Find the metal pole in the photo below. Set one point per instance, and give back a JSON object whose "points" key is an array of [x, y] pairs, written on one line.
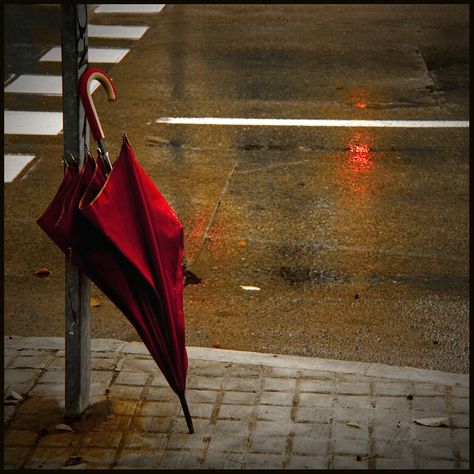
{"points": [[77, 285]]}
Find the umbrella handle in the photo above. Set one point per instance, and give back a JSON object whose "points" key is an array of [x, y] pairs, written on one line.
{"points": [[187, 415], [86, 98]]}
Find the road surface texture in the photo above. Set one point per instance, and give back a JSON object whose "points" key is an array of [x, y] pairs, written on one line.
{"points": [[356, 237]]}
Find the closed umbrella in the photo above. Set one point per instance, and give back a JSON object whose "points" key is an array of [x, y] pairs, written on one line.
{"points": [[120, 231]]}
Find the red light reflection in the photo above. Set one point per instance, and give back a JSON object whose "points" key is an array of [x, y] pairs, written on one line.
{"points": [[359, 153], [360, 105]]}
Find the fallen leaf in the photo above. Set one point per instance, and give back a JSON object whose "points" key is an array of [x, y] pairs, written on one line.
{"points": [[365, 458], [43, 272], [63, 427], [216, 344], [442, 421], [242, 243], [353, 424], [73, 461], [95, 302], [250, 288], [14, 396]]}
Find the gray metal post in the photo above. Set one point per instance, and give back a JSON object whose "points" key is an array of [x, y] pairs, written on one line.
{"points": [[77, 297]]}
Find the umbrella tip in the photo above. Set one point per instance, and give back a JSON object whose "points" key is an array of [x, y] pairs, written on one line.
{"points": [[125, 137]]}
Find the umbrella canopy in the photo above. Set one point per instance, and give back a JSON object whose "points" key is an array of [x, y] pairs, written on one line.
{"points": [[120, 231]]}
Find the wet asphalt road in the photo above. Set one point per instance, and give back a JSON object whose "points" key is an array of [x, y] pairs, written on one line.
{"points": [[356, 237]]}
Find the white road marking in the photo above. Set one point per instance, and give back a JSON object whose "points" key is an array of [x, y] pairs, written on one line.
{"points": [[116, 31], [95, 55], [32, 123], [13, 165], [130, 8], [39, 84], [314, 122]]}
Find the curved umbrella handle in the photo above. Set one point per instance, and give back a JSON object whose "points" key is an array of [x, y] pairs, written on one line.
{"points": [[86, 98]]}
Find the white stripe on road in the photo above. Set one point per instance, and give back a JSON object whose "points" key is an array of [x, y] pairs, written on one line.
{"points": [[95, 55], [116, 31], [315, 122], [13, 165], [130, 8], [38, 84], [32, 123]]}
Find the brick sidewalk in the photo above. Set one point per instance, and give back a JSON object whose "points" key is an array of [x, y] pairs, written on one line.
{"points": [[249, 410]]}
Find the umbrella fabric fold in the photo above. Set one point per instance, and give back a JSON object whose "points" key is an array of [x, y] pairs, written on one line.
{"points": [[120, 231]]}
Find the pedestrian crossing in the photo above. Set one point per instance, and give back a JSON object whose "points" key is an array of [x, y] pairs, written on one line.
{"points": [[26, 122]]}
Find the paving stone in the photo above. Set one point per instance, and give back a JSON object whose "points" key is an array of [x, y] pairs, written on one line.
{"points": [[436, 405], [132, 364], [15, 377], [315, 400], [351, 446], [20, 438], [268, 428], [160, 409], [434, 451], [163, 393], [312, 414], [32, 362], [235, 412], [277, 398], [242, 384], [239, 398], [460, 405], [115, 423], [271, 413], [53, 376], [106, 345], [392, 403], [242, 370], [394, 448], [438, 435], [98, 440], [139, 458], [218, 460], [97, 455], [395, 463], [204, 383], [199, 410], [131, 378], [123, 407], [349, 462], [352, 401], [460, 421], [187, 441], [145, 441], [8, 413], [153, 424], [429, 389], [179, 459], [351, 388], [279, 384], [48, 390], [268, 444], [234, 443], [50, 458], [307, 462], [359, 415], [461, 441], [460, 391], [436, 464], [135, 348], [98, 363], [14, 457], [394, 389], [159, 380], [60, 439], [58, 363], [126, 391], [310, 445], [33, 342], [210, 370], [389, 424], [317, 386], [342, 430], [264, 461]]}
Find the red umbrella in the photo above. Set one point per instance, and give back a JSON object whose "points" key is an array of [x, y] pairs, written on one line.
{"points": [[119, 230]]}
